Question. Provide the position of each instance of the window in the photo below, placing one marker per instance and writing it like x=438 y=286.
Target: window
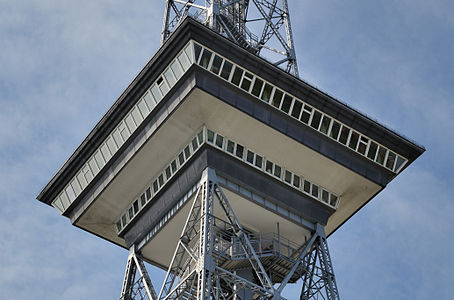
x=176 y=69
x=237 y=74
x=162 y=84
x=181 y=158
x=239 y=151
x=143 y=108
x=372 y=150
x=307 y=186
x=170 y=77
x=344 y=135
x=226 y=69
x=250 y=157
x=216 y=66
x=187 y=152
x=333 y=200
x=399 y=162
x=205 y=59
x=247 y=80
x=277 y=171
x=173 y=166
x=316 y=119
x=219 y=140
x=296 y=110
x=148 y=194
x=325 y=124
x=143 y=200
x=362 y=147
x=286 y=104
x=161 y=180
x=381 y=155
x=183 y=60
x=168 y=173
x=269 y=167
x=210 y=135
x=230 y=146
x=155 y=186
x=353 y=140
x=277 y=98
x=194 y=144
x=288 y=177
x=258 y=161
x=335 y=129
x=325 y=196
x=306 y=115
x=315 y=191
x=296 y=181
x=390 y=160
x=197 y=50
x=155 y=92
x=257 y=88
x=266 y=94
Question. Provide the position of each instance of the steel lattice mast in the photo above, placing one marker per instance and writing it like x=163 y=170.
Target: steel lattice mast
x=269 y=29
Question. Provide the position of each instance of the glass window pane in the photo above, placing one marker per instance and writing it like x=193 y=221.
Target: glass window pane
x=136 y=206
x=168 y=173
x=363 y=145
x=82 y=180
x=155 y=186
x=182 y=58
x=250 y=157
x=296 y=181
x=194 y=144
x=269 y=167
x=143 y=200
x=296 y=110
x=163 y=87
x=335 y=129
x=390 y=160
x=237 y=74
x=119 y=226
x=200 y=137
x=258 y=161
x=381 y=155
x=105 y=152
x=111 y=144
x=161 y=180
x=143 y=107
x=333 y=200
x=187 y=152
x=93 y=166
x=277 y=171
x=117 y=137
x=344 y=135
x=219 y=140
x=286 y=104
x=315 y=190
x=325 y=124
x=216 y=65
x=76 y=187
x=197 y=50
x=156 y=93
x=266 y=94
x=130 y=213
x=307 y=186
x=372 y=150
x=399 y=162
x=210 y=135
x=70 y=193
x=176 y=69
x=173 y=166
x=149 y=100
x=257 y=88
x=148 y=194
x=99 y=159
x=230 y=146
x=170 y=77
x=288 y=177
x=181 y=158
x=136 y=115
x=316 y=119
x=205 y=59
x=239 y=151
x=306 y=115
x=325 y=196
x=247 y=80
x=226 y=69
x=353 y=140
x=277 y=98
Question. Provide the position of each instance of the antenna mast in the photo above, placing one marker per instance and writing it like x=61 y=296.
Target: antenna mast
x=267 y=28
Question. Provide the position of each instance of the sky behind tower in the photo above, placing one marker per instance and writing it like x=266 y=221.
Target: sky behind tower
x=63 y=63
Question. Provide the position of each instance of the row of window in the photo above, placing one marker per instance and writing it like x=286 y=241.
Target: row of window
x=169 y=215
x=160 y=181
x=126 y=127
x=260 y=162
x=298 y=109
x=240 y=152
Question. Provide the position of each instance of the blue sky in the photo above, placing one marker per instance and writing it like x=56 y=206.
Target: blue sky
x=63 y=63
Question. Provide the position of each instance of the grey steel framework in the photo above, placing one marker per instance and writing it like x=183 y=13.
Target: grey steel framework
x=216 y=258
x=269 y=27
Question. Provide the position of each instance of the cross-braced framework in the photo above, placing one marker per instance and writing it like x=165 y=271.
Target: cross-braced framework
x=256 y=25
x=136 y=283
x=203 y=264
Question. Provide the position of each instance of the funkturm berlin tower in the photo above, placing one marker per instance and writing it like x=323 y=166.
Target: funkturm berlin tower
x=220 y=166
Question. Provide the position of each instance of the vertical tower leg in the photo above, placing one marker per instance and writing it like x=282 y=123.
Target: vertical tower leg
x=319 y=278
x=140 y=288
x=195 y=271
